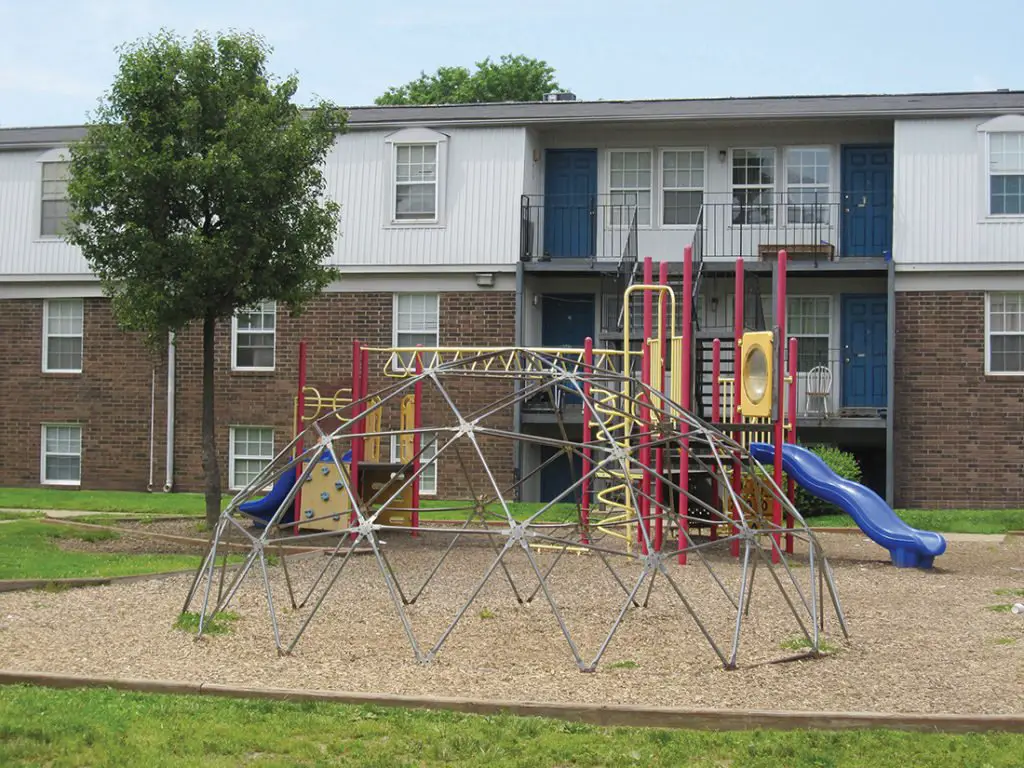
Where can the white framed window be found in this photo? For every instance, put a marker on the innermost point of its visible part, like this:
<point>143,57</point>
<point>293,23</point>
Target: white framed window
<point>254,338</point>
<point>682,186</point>
<point>630,180</point>
<point>417,320</point>
<point>63,335</point>
<point>1004,333</point>
<point>250,450</point>
<point>61,456</point>
<point>54,206</point>
<point>753,185</point>
<point>1006,174</point>
<point>808,183</point>
<point>428,442</point>
<point>809,320</point>
<point>416,182</point>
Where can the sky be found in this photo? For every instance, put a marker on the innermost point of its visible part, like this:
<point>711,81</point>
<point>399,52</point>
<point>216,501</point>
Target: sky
<point>57,59</point>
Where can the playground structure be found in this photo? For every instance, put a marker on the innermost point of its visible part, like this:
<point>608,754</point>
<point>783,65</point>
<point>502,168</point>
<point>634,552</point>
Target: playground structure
<point>654,477</point>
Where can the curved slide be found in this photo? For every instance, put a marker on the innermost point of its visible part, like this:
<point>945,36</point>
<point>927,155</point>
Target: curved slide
<point>908,547</point>
<point>263,509</point>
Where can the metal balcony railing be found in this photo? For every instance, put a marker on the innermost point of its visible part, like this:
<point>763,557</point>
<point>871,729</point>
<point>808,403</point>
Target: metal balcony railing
<point>601,227</point>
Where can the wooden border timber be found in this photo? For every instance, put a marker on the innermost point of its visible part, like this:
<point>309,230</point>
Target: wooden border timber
<point>596,714</point>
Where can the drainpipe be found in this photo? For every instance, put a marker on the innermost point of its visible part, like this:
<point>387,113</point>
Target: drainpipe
<point>169,465</point>
<point>517,417</point>
<point>152,427</point>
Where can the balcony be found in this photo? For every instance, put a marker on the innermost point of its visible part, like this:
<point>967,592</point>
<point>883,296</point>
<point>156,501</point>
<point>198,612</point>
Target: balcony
<point>600,229</point>
<point>809,225</point>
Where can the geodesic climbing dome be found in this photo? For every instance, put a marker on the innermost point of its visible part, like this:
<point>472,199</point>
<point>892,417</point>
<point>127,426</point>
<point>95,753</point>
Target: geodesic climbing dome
<point>626,507</point>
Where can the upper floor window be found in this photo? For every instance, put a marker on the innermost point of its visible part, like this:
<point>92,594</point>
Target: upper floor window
<point>253,338</point>
<point>416,323</point>
<point>753,185</point>
<point>63,332</point>
<point>629,185</point>
<point>808,172</point>
<point>1006,174</point>
<point>54,206</point>
<point>682,186</point>
<point>416,180</point>
<point>1004,338</point>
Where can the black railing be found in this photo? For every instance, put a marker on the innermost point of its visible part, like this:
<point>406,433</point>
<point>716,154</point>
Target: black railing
<point>600,227</point>
<point>758,223</point>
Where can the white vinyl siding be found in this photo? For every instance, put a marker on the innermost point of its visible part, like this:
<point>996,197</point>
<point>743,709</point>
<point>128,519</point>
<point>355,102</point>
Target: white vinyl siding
<point>416,180</point>
<point>251,450</point>
<point>253,338</point>
<point>809,320</point>
<point>63,335</point>
<point>808,182</point>
<point>61,459</point>
<point>416,323</point>
<point>54,204</point>
<point>1004,333</point>
<point>682,186</point>
<point>1006,174</point>
<point>629,183</point>
<point>428,444</point>
<point>753,185</point>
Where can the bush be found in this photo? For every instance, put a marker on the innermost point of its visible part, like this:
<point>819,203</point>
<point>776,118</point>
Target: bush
<point>843,463</point>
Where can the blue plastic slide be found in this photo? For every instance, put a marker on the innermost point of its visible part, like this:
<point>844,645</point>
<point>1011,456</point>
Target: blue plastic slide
<point>908,547</point>
<point>264,508</point>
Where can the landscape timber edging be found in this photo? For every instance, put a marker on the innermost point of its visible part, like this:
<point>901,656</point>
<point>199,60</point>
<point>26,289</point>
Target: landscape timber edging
<point>596,714</point>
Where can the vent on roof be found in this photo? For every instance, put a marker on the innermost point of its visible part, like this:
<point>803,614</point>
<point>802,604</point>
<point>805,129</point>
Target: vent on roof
<point>560,96</point>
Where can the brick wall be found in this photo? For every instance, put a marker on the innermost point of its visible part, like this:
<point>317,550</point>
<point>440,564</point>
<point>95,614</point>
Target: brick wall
<point>111,397</point>
<point>959,434</point>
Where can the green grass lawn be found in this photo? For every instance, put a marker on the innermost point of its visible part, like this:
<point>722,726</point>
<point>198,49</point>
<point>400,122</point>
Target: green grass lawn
<point>124,502</point>
<point>28,550</point>
<point>942,520</point>
<point>97,727</point>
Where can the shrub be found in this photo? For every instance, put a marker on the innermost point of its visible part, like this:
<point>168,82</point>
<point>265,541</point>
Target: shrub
<point>844,464</point>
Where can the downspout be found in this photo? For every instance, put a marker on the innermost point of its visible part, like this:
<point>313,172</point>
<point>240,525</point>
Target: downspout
<point>152,427</point>
<point>890,418</point>
<point>169,464</point>
<point>517,417</point>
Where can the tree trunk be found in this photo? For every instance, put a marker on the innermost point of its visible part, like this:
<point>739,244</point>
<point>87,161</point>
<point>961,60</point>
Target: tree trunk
<point>211,467</point>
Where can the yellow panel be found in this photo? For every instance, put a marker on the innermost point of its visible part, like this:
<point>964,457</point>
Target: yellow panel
<point>756,387</point>
<point>324,501</point>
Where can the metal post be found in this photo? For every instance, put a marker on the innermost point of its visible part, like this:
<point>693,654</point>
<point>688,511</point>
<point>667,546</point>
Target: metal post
<point>791,489</point>
<point>588,366</point>
<point>780,396</point>
<point>716,413</point>
<point>300,409</point>
<point>659,453</point>
<point>645,414</point>
<point>685,397</point>
<point>357,443</point>
<point>417,422</point>
<point>737,377</point>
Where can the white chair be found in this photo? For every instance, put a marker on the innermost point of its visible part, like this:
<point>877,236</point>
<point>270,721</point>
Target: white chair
<point>818,388</point>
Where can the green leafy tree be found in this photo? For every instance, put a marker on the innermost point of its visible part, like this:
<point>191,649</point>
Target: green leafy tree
<point>198,191</point>
<point>512,78</point>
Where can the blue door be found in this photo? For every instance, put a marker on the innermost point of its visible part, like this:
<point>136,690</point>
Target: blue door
<point>570,203</point>
<point>867,201</point>
<point>566,321</point>
<point>559,475</point>
<point>864,353</point>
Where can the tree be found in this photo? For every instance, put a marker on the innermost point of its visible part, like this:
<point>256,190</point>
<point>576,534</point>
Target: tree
<point>197,191</point>
<point>513,78</point>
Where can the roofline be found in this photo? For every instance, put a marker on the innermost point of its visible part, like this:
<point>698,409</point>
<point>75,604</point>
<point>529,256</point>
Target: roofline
<point>850,106</point>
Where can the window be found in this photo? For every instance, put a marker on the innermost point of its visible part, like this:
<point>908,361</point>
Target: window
<point>63,322</point>
<point>55,207</point>
<point>682,184</point>
<point>62,454</point>
<point>807,185</point>
<point>253,336</point>
<point>415,182</point>
<point>251,450</point>
<point>416,324</point>
<point>428,443</point>
<point>753,185</point>
<point>809,319</point>
<point>1006,174</point>
<point>1005,333</point>
<point>630,184</point>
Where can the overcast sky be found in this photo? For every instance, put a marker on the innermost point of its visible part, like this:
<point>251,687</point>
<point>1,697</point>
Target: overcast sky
<point>57,58</point>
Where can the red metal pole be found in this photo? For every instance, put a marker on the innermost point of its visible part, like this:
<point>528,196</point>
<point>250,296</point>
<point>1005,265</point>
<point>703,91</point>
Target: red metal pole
<point>686,324</point>
<point>645,413</point>
<point>588,363</point>
<point>780,396</point>
<point>357,444</point>
<point>737,415</point>
<point>417,421</point>
<point>300,409</point>
<point>659,452</point>
<point>791,489</point>
<point>716,411</point>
